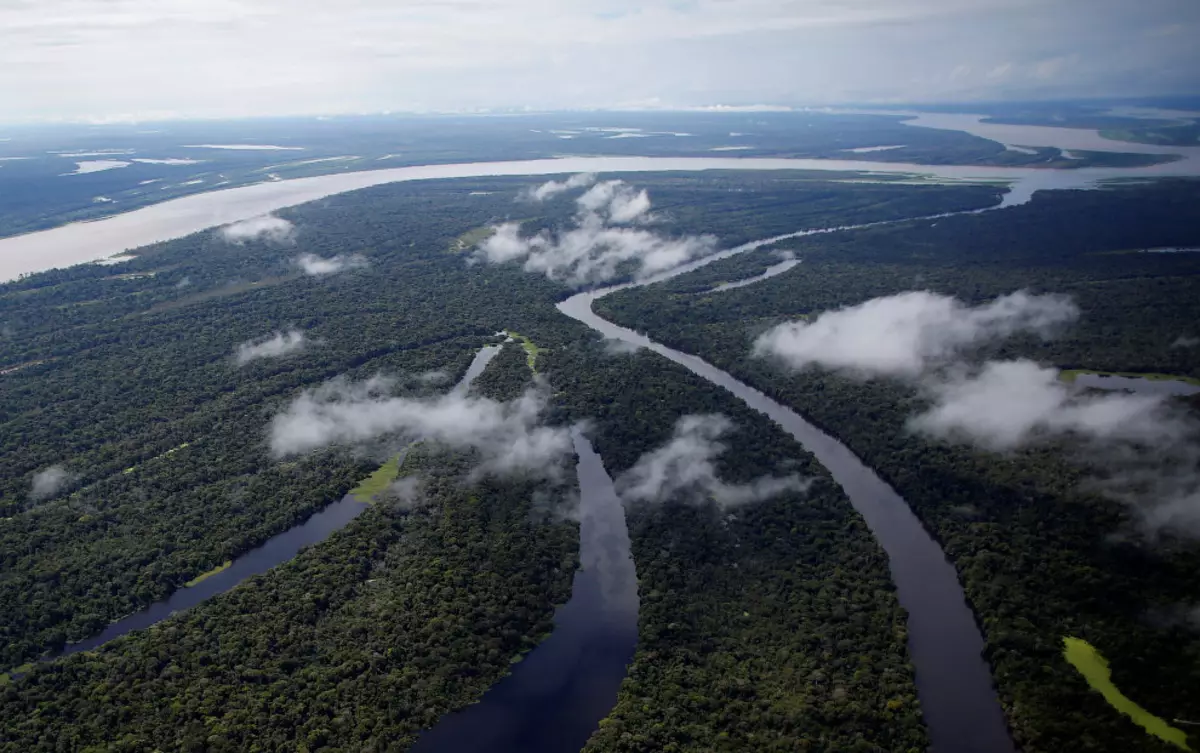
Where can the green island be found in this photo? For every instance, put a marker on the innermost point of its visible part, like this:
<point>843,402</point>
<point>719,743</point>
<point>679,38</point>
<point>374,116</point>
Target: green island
<point>378,481</point>
<point>206,575</point>
<point>1092,665</point>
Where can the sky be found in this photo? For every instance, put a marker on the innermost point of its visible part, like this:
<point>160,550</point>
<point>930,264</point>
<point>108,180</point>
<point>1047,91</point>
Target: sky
<point>102,60</point>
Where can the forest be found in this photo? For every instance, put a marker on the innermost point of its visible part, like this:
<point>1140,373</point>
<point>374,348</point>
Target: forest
<point>1040,555</point>
<point>774,627</point>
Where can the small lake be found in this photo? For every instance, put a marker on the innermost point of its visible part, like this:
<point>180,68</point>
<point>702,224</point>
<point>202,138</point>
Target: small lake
<point>556,696</point>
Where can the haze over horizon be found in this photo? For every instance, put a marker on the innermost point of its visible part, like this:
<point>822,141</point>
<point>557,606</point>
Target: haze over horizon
<point>115,60</point>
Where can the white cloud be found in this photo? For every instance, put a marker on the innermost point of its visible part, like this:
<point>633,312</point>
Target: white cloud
<point>552,188</point>
<point>1185,341</point>
<point>684,467</point>
<point>279,344</point>
<point>1006,404</point>
<point>317,266</point>
<point>97,166</point>
<point>596,248</point>
<point>908,333</point>
<point>268,227</point>
<point>49,482</point>
<point>509,437</point>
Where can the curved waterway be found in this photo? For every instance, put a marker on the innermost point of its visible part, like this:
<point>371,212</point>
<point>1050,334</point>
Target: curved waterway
<point>954,683</point>
<point>100,239</point>
<point>277,550</point>
<point>556,696</point>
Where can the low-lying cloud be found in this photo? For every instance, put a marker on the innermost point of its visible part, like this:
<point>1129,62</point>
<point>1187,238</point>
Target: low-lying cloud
<point>317,266</point>
<point>509,436</point>
<point>684,467</point>
<point>275,346</point>
<point>1140,448</point>
<point>908,333</point>
<point>600,244</point>
<point>47,483</point>
<point>268,227</point>
<point>552,188</point>
<point>1007,404</point>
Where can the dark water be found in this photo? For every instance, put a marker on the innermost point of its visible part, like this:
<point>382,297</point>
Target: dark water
<point>275,551</point>
<point>954,683</point>
<point>1137,384</point>
<point>556,696</point>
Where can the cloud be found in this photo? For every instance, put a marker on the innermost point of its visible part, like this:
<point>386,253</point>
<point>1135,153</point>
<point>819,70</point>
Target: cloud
<point>614,198</point>
<point>1185,341</point>
<point>268,227</point>
<point>1007,404</point>
<point>552,188</point>
<point>684,467</point>
<point>509,436</point>
<point>280,344</point>
<point>49,482</point>
<point>597,248</point>
<point>615,346</point>
<point>317,266</point>
<point>908,333</point>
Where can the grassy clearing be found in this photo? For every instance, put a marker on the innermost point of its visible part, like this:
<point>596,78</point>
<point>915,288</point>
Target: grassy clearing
<point>470,239</point>
<point>7,676</point>
<point>374,484</point>
<point>166,454</point>
<point>1070,375</point>
<point>531,349</point>
<point>1094,669</point>
<point>205,576</point>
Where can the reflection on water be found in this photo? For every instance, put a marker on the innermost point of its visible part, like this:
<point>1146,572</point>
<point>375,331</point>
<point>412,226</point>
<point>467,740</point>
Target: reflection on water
<point>556,696</point>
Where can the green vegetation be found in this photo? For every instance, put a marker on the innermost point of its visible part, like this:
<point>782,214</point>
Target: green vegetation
<point>410,611</point>
<point>531,349</point>
<point>471,239</point>
<point>379,480</point>
<point>206,575</point>
<point>1092,665</point>
<point>1069,375</point>
<point>1039,555</point>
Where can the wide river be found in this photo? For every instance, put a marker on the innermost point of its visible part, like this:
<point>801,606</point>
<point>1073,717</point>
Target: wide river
<point>571,679</point>
<point>91,241</point>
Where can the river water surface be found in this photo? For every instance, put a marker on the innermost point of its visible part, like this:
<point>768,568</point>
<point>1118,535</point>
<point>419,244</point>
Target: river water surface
<point>556,696</point>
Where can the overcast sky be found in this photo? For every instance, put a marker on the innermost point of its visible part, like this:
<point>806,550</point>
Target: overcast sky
<point>104,59</point>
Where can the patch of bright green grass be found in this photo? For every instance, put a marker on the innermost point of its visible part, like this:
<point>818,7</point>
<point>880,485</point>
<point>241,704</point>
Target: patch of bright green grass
<point>1094,669</point>
<point>1071,374</point>
<point>7,676</point>
<point>374,484</point>
<point>471,239</point>
<point>531,350</point>
<point>205,576</point>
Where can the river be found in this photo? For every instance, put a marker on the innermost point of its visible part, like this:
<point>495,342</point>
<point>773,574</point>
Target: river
<point>275,551</point>
<point>954,683</point>
<point>556,696</point>
<point>100,239</point>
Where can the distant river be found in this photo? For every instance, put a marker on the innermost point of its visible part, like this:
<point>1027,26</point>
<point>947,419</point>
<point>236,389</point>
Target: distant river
<point>92,241</point>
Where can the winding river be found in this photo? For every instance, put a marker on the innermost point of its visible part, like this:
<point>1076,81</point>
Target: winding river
<point>573,676</point>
